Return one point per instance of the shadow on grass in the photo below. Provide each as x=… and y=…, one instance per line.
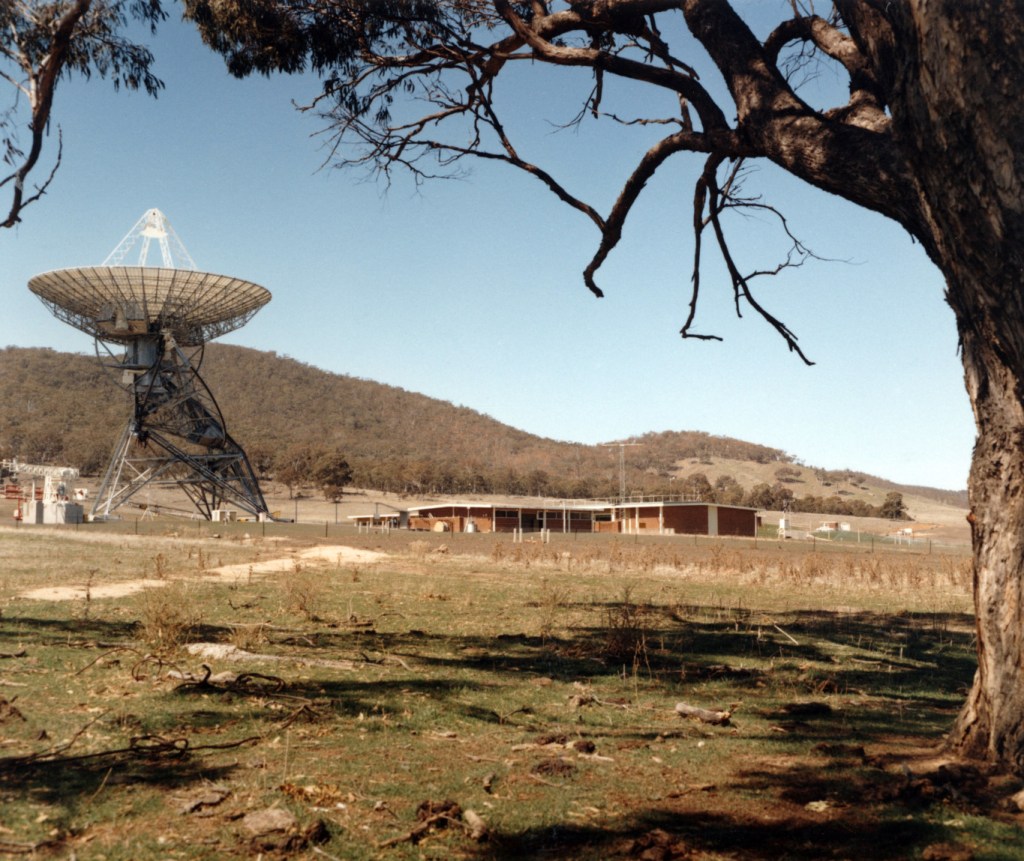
x=901, y=656
x=922, y=660
x=65, y=778
x=74, y=784
x=670, y=835
x=28, y=631
x=794, y=811
x=913, y=697
x=906, y=671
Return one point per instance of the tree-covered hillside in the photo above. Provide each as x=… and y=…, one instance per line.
x=63, y=408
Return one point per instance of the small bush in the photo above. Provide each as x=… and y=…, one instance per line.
x=306, y=592
x=626, y=632
x=169, y=616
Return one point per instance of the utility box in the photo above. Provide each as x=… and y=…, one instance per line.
x=61, y=512
x=223, y=515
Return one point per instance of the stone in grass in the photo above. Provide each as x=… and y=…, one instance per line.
x=201, y=801
x=274, y=829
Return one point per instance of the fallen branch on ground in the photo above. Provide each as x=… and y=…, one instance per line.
x=441, y=815
x=146, y=746
x=106, y=654
x=717, y=718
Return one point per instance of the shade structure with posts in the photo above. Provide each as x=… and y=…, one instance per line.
x=150, y=324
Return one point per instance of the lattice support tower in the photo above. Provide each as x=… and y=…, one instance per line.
x=150, y=325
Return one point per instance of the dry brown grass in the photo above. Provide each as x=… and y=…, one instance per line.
x=787, y=567
x=470, y=668
x=168, y=617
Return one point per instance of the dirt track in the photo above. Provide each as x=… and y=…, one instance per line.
x=338, y=554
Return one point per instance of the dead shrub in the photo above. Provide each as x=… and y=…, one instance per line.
x=169, y=616
x=551, y=601
x=625, y=634
x=305, y=592
x=249, y=637
x=160, y=566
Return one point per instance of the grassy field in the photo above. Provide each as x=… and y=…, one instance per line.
x=206, y=692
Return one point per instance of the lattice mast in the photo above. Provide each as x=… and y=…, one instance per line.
x=152, y=225
x=161, y=318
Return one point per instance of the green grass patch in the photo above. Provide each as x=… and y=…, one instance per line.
x=482, y=699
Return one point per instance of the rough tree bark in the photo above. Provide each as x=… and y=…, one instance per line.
x=955, y=73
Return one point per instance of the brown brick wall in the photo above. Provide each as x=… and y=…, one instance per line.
x=737, y=521
x=687, y=519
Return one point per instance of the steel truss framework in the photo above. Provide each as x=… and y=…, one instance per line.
x=175, y=436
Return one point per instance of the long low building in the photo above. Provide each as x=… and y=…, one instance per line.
x=633, y=518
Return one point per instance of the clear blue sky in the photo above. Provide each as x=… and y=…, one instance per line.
x=470, y=290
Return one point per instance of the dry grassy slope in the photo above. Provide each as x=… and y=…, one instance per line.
x=945, y=520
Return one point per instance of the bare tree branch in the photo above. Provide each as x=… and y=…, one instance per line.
x=436, y=54
x=720, y=199
x=682, y=141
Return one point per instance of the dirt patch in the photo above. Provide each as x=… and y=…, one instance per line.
x=80, y=593
x=337, y=554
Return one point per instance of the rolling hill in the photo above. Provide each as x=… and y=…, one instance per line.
x=61, y=408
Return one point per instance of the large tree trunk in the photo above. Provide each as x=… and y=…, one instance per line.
x=991, y=724
x=953, y=71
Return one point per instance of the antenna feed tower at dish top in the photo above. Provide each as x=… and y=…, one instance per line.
x=159, y=318
x=152, y=225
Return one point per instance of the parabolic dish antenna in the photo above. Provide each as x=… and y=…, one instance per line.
x=119, y=303
x=161, y=316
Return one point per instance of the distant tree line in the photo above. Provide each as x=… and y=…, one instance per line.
x=776, y=497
